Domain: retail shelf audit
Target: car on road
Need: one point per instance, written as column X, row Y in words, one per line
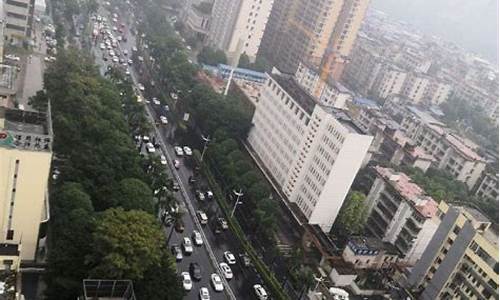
column 102, row 46
column 150, row 148
column 229, row 257
column 175, row 186
column 191, row 180
column 140, row 58
column 210, row 195
column 145, row 138
column 163, row 160
column 195, row 271
column 260, row 292
column 127, row 72
column 125, row 52
column 12, row 57
column 198, row 241
column 163, row 120
column 202, row 216
column 115, row 59
column 222, row 223
column 204, row 294
column 178, row 151
column 179, row 226
column 167, row 108
column 226, row 270
column 156, row 101
column 134, row 49
column 187, row 151
column 245, row 260
column 130, row 62
column 176, row 252
column 140, row 86
column 187, row 246
column 216, row 282
column 200, row 196
column 187, row 283
column 177, row 164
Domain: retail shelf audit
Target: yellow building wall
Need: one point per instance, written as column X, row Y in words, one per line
column 32, row 179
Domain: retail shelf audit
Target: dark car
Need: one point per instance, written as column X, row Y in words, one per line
column 245, row 260
column 195, row 271
column 179, row 226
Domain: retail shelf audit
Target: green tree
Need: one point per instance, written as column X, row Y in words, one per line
column 244, row 61
column 352, row 215
column 125, row 245
column 39, row 101
column 212, row 57
column 134, row 194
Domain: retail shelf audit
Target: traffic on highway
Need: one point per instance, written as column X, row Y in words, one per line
column 209, row 260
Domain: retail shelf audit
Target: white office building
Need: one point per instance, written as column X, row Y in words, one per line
column 311, row 150
column 238, row 26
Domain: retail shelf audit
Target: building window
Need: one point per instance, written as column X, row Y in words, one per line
column 17, row 3
column 10, row 235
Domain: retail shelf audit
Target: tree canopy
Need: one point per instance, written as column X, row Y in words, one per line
column 352, row 215
column 212, row 57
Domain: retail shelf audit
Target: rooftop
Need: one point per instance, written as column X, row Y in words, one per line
column 25, row 129
column 410, row 191
column 371, row 244
column 424, row 116
column 299, row 95
column 463, row 146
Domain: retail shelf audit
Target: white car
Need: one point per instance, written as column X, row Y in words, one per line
column 145, row 138
column 141, row 87
column 178, row 151
column 12, row 57
column 163, row 160
column 163, row 120
column 115, row 59
column 140, row 58
column 187, row 151
column 217, row 282
column 134, row 49
column 130, row 62
column 260, row 292
column 127, row 72
column 125, row 52
column 226, row 270
column 102, row 46
column 114, row 28
column 187, row 283
column 204, row 294
column 187, row 246
column 156, row 101
column 198, row 241
column 150, row 148
column 229, row 257
column 111, row 53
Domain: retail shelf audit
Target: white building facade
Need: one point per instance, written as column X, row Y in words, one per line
column 312, row 151
column 238, row 26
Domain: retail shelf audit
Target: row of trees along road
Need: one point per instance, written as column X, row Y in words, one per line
column 226, row 120
column 102, row 224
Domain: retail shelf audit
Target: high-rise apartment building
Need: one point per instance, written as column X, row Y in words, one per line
column 320, row 33
column 18, row 16
column 25, row 158
column 311, row 150
column 461, row 260
column 237, row 26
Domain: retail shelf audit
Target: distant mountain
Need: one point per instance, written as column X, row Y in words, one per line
column 472, row 24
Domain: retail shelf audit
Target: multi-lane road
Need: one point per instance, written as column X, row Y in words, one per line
column 211, row 253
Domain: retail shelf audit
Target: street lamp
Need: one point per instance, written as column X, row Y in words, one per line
column 206, row 139
column 238, row 195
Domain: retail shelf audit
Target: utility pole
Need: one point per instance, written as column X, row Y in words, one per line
column 238, row 195
column 206, row 140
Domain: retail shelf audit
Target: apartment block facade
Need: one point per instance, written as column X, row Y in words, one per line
column 25, row 158
column 237, row 26
column 488, row 187
column 18, row 19
column 461, row 261
column 451, row 152
column 389, row 82
column 311, row 150
column 401, row 213
column 320, row 33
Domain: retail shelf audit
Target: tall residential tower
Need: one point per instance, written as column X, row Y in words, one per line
column 318, row 33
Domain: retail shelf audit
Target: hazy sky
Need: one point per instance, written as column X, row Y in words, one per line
column 472, row 24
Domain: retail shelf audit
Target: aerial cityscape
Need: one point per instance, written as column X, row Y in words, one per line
column 248, row 149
